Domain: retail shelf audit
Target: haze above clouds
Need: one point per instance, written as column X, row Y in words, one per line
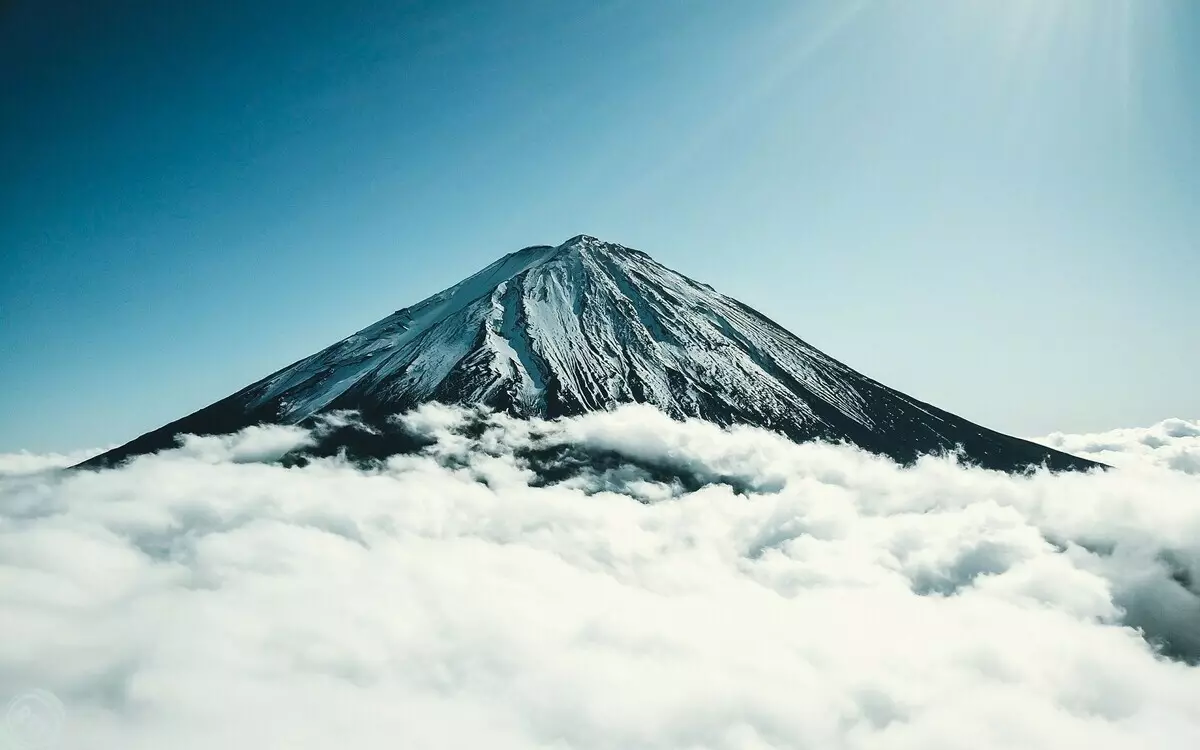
column 614, row 580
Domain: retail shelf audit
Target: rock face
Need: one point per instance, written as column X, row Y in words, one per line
column 587, row 325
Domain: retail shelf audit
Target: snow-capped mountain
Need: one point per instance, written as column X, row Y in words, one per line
column 588, row 325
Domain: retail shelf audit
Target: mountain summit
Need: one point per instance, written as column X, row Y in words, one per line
column 585, row 326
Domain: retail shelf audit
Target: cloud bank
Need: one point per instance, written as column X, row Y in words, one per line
column 1173, row 443
column 24, row 462
column 618, row 580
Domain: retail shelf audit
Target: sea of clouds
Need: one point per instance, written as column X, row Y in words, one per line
column 618, row 580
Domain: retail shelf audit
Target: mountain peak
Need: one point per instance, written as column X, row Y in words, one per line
column 582, row 240
column 586, row 243
column 585, row 326
column 580, row 244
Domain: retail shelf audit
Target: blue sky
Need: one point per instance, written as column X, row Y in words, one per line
column 993, row 205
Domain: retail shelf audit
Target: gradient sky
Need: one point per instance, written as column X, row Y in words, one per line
column 993, row 205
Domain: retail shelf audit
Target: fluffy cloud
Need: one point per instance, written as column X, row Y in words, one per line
column 616, row 580
column 24, row 462
column 1173, row 443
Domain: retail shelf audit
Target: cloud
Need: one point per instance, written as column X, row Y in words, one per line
column 1172, row 443
column 24, row 462
column 255, row 444
column 614, row 580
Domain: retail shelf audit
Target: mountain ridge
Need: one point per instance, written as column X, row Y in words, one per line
column 587, row 325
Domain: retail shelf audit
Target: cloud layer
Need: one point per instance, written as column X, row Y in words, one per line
column 617, row 580
column 1172, row 443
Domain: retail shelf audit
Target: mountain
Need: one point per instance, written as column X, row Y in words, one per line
column 585, row 326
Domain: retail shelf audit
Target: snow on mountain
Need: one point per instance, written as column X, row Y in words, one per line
column 587, row 325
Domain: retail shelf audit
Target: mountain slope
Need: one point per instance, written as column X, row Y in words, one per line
column 588, row 325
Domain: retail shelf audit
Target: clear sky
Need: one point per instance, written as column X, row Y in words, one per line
column 993, row 205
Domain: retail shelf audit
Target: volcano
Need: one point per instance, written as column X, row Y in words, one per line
column 587, row 325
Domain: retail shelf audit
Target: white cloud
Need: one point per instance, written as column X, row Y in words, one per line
column 1173, row 443
column 616, row 580
column 24, row 462
column 252, row 445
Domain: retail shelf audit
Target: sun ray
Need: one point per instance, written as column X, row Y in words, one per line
column 803, row 37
